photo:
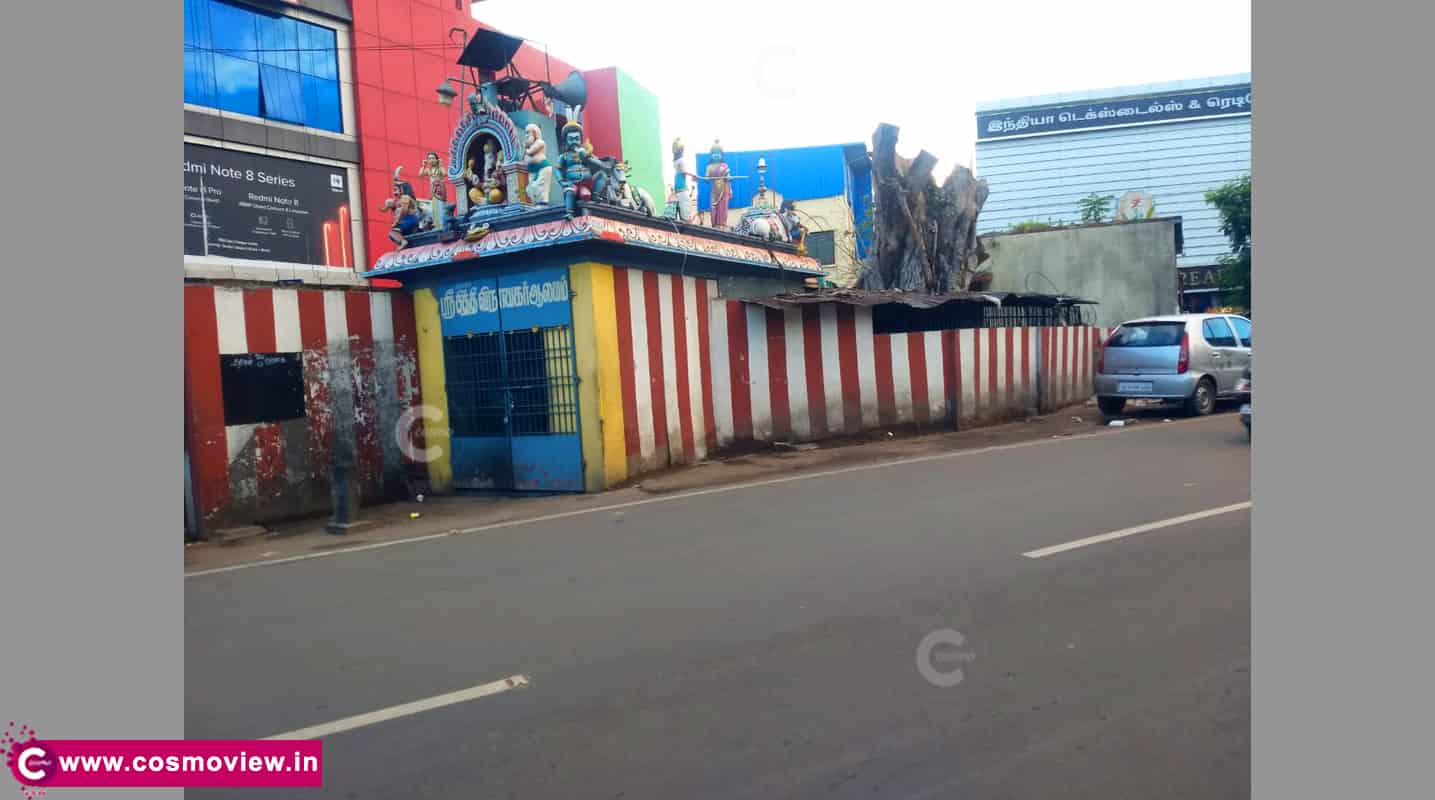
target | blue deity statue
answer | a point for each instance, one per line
(581, 175)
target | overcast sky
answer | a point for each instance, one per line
(805, 72)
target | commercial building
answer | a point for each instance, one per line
(831, 186)
(1172, 141)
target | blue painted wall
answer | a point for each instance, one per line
(798, 173)
(1044, 177)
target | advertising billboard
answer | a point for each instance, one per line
(265, 208)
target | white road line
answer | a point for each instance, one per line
(1124, 532)
(700, 493)
(405, 710)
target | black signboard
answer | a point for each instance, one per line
(1165, 107)
(1199, 277)
(261, 387)
(265, 208)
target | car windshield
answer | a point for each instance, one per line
(1148, 334)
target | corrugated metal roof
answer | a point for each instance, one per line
(859, 297)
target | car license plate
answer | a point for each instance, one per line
(1134, 387)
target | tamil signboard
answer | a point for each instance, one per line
(265, 208)
(1066, 117)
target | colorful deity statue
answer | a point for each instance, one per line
(796, 231)
(540, 170)
(680, 204)
(433, 169)
(720, 176)
(581, 175)
(406, 220)
(629, 196)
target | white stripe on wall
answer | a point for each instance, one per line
(642, 380)
(691, 298)
(1000, 365)
(831, 368)
(721, 376)
(286, 321)
(796, 373)
(336, 319)
(757, 372)
(901, 377)
(229, 311)
(670, 369)
(936, 377)
(866, 368)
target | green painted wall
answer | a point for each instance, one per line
(642, 142)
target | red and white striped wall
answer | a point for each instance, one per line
(667, 395)
(360, 375)
(819, 370)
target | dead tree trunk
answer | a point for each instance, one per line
(924, 236)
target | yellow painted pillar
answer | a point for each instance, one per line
(600, 399)
(431, 383)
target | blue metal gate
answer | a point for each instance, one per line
(511, 378)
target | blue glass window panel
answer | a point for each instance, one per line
(237, 84)
(318, 51)
(278, 42)
(199, 78)
(196, 24)
(233, 31)
(321, 104)
(283, 94)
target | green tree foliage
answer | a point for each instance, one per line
(1233, 201)
(1094, 207)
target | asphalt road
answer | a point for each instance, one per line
(762, 642)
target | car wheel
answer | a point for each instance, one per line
(1111, 405)
(1202, 400)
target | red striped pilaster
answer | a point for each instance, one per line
(317, 397)
(812, 360)
(886, 392)
(680, 354)
(952, 372)
(705, 363)
(653, 313)
(204, 401)
(1025, 363)
(777, 374)
(406, 339)
(738, 369)
(366, 412)
(268, 443)
(847, 364)
(1010, 368)
(992, 368)
(917, 369)
(632, 443)
(977, 359)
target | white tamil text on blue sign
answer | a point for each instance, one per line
(469, 300)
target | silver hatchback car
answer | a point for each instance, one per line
(1191, 358)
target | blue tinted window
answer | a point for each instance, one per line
(1218, 333)
(199, 78)
(318, 52)
(196, 24)
(278, 42)
(283, 94)
(321, 104)
(240, 60)
(237, 84)
(233, 32)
